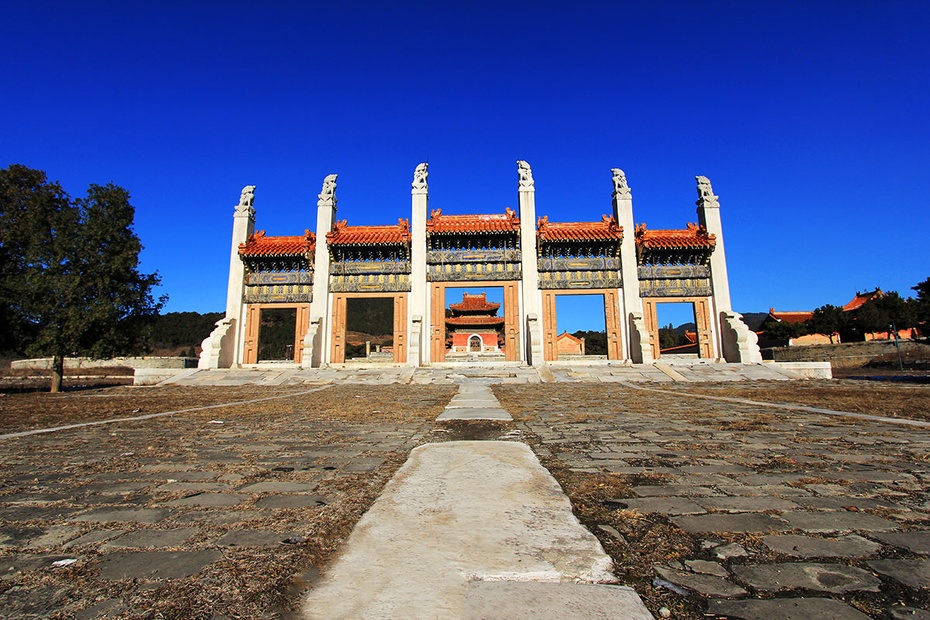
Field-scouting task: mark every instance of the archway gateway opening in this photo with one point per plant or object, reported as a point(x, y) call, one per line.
point(680, 327)
point(376, 319)
point(489, 311)
point(275, 333)
point(591, 315)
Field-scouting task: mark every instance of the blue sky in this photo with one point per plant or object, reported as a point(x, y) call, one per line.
point(809, 117)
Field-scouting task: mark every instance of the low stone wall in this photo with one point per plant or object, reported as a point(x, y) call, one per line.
point(849, 354)
point(76, 363)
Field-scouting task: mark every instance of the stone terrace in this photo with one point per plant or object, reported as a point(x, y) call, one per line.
point(729, 508)
point(749, 511)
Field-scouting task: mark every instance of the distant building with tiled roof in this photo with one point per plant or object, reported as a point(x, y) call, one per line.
point(417, 264)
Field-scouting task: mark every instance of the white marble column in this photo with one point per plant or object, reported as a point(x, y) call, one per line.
point(418, 309)
point(316, 341)
point(733, 340)
point(223, 347)
point(531, 297)
point(636, 345)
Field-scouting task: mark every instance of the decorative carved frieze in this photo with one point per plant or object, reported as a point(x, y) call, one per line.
point(474, 272)
point(369, 267)
point(579, 280)
point(664, 272)
point(601, 263)
point(286, 293)
point(473, 256)
point(278, 277)
point(675, 287)
point(367, 283)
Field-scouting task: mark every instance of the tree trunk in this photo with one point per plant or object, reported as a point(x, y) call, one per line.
point(58, 370)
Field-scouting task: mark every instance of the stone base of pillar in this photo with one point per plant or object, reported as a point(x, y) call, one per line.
point(311, 354)
point(740, 344)
point(534, 340)
point(640, 340)
point(217, 348)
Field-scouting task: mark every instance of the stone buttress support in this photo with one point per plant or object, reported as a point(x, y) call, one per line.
point(418, 309)
point(222, 348)
point(735, 342)
point(316, 341)
point(636, 339)
point(532, 298)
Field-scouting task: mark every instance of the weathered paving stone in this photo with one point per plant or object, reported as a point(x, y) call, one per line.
point(822, 522)
point(156, 564)
point(916, 541)
point(92, 538)
point(212, 500)
point(128, 515)
point(55, 535)
point(279, 487)
point(702, 583)
point(786, 609)
point(662, 505)
point(833, 578)
point(669, 490)
point(707, 568)
point(745, 504)
point(740, 522)
point(907, 613)
point(811, 547)
point(291, 501)
point(188, 487)
point(251, 538)
point(151, 538)
point(913, 573)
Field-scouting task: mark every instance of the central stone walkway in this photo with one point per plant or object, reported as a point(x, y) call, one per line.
point(472, 529)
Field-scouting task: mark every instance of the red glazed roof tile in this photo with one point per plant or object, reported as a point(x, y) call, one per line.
point(342, 234)
point(605, 230)
point(475, 320)
point(693, 236)
point(475, 303)
point(439, 224)
point(260, 245)
point(790, 317)
point(861, 299)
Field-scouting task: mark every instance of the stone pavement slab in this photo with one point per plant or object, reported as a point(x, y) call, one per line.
point(469, 413)
point(508, 600)
point(834, 578)
point(811, 547)
point(725, 522)
point(913, 573)
point(455, 513)
point(786, 609)
point(156, 564)
point(916, 541)
point(702, 583)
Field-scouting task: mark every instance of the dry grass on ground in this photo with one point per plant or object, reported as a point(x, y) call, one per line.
point(895, 400)
point(32, 410)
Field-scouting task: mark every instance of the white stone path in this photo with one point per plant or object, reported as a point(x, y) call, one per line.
point(472, 529)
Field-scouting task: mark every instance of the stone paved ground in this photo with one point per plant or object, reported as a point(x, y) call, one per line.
point(738, 510)
point(728, 508)
point(207, 514)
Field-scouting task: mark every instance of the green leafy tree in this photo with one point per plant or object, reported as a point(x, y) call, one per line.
point(70, 283)
point(827, 320)
point(880, 313)
point(922, 304)
point(668, 338)
point(783, 331)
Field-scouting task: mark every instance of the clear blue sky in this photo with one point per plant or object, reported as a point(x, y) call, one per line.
point(811, 119)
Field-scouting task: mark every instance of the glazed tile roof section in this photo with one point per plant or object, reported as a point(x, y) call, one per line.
point(475, 303)
point(692, 237)
point(790, 317)
point(861, 299)
point(343, 234)
point(259, 245)
point(475, 320)
point(605, 230)
point(493, 223)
